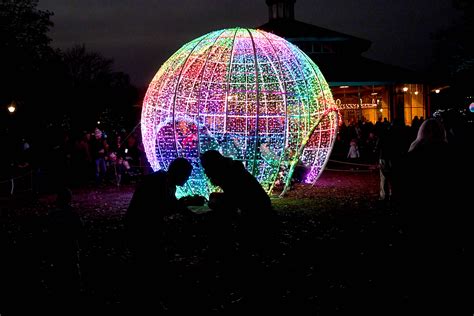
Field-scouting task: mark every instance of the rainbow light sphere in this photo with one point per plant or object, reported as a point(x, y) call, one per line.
point(251, 95)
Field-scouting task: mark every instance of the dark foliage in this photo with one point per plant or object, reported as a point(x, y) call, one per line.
point(71, 89)
point(454, 59)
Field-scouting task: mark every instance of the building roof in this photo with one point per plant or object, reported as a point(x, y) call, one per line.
point(270, 2)
point(345, 66)
point(297, 30)
point(356, 70)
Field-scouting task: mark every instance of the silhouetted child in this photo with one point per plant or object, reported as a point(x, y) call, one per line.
point(353, 154)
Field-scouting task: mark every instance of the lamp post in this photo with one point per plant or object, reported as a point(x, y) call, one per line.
point(11, 108)
point(10, 118)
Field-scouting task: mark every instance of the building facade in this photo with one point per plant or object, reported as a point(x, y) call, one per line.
point(364, 89)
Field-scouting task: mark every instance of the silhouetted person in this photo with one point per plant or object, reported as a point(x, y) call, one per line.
point(432, 223)
point(244, 197)
point(153, 200)
point(392, 145)
point(98, 150)
point(65, 230)
point(241, 192)
point(236, 182)
point(415, 125)
point(81, 159)
point(459, 135)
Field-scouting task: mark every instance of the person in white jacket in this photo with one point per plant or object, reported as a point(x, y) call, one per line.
point(353, 153)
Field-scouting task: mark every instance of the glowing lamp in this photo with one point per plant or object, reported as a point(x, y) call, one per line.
point(11, 108)
point(251, 95)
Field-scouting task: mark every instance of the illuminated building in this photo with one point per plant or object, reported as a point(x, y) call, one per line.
point(364, 89)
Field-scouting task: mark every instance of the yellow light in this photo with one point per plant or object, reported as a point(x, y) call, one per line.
point(416, 92)
point(344, 87)
point(11, 108)
point(437, 90)
point(381, 110)
point(405, 89)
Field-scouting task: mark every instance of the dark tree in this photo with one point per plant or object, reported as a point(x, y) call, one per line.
point(53, 88)
point(96, 92)
point(24, 45)
point(454, 57)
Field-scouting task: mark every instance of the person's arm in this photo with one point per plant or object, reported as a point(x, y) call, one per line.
point(181, 207)
point(193, 200)
point(217, 201)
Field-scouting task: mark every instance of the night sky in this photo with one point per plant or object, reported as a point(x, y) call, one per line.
point(141, 34)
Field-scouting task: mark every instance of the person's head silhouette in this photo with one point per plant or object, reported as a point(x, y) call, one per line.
point(214, 165)
point(179, 171)
point(431, 131)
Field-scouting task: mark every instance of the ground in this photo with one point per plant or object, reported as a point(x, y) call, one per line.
point(335, 246)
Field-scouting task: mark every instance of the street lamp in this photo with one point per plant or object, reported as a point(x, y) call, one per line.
point(12, 108)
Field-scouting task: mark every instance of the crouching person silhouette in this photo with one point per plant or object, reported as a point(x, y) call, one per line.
point(243, 194)
point(244, 198)
point(153, 200)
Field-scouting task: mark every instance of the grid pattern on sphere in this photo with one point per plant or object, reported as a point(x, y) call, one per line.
point(249, 94)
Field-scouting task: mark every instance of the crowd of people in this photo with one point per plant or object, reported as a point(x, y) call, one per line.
point(46, 163)
point(420, 167)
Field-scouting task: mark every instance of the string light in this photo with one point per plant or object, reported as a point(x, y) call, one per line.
point(353, 106)
point(251, 95)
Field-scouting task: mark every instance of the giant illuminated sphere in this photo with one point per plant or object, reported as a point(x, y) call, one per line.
point(251, 95)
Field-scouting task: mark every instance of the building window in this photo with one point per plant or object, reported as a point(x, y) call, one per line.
point(274, 12)
point(280, 10)
point(364, 103)
point(413, 101)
